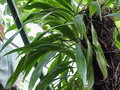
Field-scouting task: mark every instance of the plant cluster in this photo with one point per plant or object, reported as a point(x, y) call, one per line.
point(79, 42)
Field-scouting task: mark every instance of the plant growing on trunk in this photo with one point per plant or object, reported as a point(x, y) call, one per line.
point(77, 41)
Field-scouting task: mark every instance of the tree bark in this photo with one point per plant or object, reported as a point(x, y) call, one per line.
point(105, 30)
point(112, 54)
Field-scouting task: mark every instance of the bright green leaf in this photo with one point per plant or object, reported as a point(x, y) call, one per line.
point(95, 7)
point(81, 64)
point(99, 53)
point(80, 25)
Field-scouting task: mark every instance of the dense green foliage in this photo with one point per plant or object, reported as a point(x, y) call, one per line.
point(61, 43)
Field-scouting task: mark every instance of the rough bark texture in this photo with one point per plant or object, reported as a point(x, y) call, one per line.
point(105, 31)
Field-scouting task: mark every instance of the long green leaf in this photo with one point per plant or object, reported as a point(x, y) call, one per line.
point(95, 7)
point(40, 5)
point(80, 25)
point(31, 60)
point(11, 28)
point(99, 53)
point(27, 48)
point(90, 73)
point(65, 4)
point(32, 15)
point(10, 39)
point(19, 69)
point(89, 53)
point(50, 77)
point(37, 72)
point(107, 4)
point(55, 63)
point(68, 52)
point(81, 64)
point(63, 28)
point(116, 15)
point(29, 68)
point(33, 56)
point(39, 41)
point(90, 77)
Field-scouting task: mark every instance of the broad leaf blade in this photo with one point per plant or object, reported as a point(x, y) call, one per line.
point(80, 25)
point(95, 7)
point(81, 64)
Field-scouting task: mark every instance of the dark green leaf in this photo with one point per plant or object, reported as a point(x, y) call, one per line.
point(63, 28)
point(29, 1)
point(40, 5)
point(50, 77)
point(33, 56)
point(18, 70)
point(65, 4)
point(37, 72)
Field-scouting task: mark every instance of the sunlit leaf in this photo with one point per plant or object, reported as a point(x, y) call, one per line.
point(99, 53)
point(116, 15)
point(95, 7)
point(11, 28)
point(81, 64)
point(80, 25)
point(90, 73)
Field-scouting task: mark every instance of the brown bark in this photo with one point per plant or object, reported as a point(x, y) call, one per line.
point(105, 29)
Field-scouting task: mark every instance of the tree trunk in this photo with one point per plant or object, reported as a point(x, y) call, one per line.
point(105, 29)
point(112, 54)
